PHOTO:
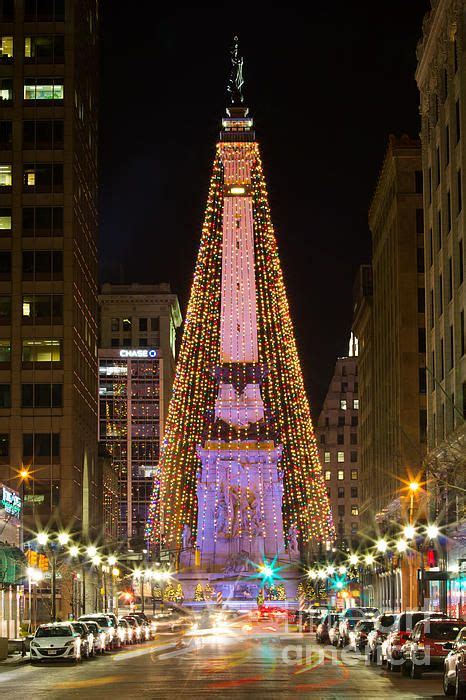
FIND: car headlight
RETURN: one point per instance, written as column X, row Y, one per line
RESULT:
column 70, row 643
column 35, row 644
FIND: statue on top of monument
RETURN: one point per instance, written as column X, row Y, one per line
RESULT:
column 236, row 80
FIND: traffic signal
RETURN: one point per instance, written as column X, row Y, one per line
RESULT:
column 43, row 562
column 32, row 557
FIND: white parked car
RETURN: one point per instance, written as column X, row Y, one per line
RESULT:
column 56, row 640
column 100, row 637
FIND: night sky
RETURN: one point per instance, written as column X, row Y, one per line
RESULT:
column 325, row 90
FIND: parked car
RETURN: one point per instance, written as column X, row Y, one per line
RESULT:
column 358, row 635
column 87, row 639
column 334, row 631
column 454, row 669
column 322, row 631
column 100, row 636
column 125, row 632
column 137, row 630
column 370, row 612
column 382, row 626
column 116, row 642
column 347, row 625
column 145, row 627
column 401, row 630
column 104, row 624
column 57, row 640
column 428, row 645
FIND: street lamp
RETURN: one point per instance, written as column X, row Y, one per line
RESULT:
column 91, row 551
column 112, row 560
column 74, row 551
column 401, row 546
column 382, row 546
column 42, row 538
column 353, row 560
column 369, row 559
column 432, row 532
column 409, row 532
column 63, row 538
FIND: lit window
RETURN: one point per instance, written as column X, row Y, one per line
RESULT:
column 5, row 350
column 42, row 350
column 43, row 89
column 27, row 47
column 343, row 404
column 6, row 47
column 340, row 456
column 340, row 475
column 326, row 456
column 5, row 219
column 30, row 179
column 354, row 510
column 354, row 474
column 5, row 175
column 356, row 404
column 6, row 89
column 328, row 475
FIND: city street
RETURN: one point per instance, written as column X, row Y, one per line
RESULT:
column 229, row 665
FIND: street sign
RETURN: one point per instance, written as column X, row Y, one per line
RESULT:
column 164, row 555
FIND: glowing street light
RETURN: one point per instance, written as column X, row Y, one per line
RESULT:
column 382, row 546
column 96, row 560
column 24, row 473
column 401, row 546
column 330, row 570
column 353, row 560
column 342, row 570
column 91, row 551
column 137, row 573
column 42, row 538
column 321, row 574
column 74, row 551
column 63, row 538
column 432, row 532
column 414, row 486
column 112, row 560
column 369, row 559
column 312, row 574
column 409, row 532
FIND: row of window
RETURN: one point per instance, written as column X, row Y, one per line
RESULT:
column 34, row 445
column 341, row 510
column 43, row 89
column 45, row 309
column 37, row 177
column 341, row 439
column 34, row 395
column 341, row 421
column 446, row 355
column 36, row 264
column 341, row 475
column 344, row 387
column 341, row 492
column 43, row 133
column 34, row 350
column 340, row 457
column 36, row 221
column 34, row 10
column 128, row 343
column 347, row 405
column 37, row 49
column 126, row 324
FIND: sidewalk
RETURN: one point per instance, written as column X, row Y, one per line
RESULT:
column 13, row 661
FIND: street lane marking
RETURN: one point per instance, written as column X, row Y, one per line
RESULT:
column 91, row 682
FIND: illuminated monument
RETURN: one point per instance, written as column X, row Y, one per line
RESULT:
column 241, row 478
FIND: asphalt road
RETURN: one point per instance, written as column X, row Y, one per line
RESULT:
column 257, row 663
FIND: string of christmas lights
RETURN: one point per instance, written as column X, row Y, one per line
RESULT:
column 305, row 504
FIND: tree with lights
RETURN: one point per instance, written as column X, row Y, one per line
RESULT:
column 259, row 323
column 199, row 593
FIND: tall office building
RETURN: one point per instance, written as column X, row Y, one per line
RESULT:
column 337, row 432
column 441, row 78
column 389, row 323
column 136, row 369
column 48, row 259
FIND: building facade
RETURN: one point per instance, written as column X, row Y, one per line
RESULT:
column 136, row 368
column 393, row 339
column 48, row 259
column 441, row 79
column 337, row 434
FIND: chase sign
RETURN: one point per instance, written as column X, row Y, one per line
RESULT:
column 139, row 353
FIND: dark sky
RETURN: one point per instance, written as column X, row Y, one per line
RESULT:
column 325, row 89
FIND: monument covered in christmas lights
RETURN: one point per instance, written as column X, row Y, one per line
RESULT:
column 241, row 483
